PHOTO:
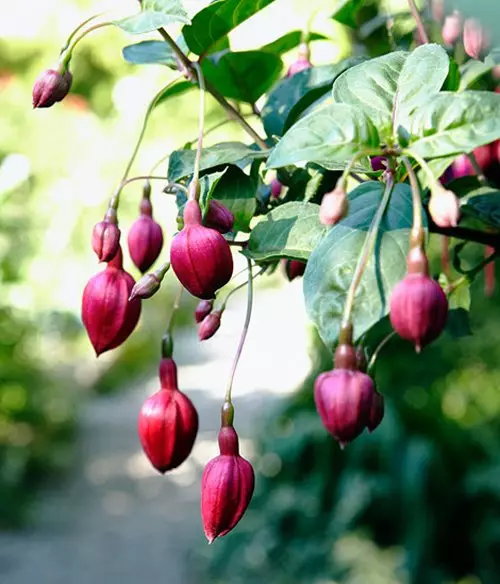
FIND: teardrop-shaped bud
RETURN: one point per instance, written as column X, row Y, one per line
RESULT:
column 226, row 487
column 276, row 188
column 145, row 238
column 107, row 314
column 219, row 217
column 146, row 287
column 376, row 412
column 106, row 237
column 168, row 422
column 294, row 269
column 452, row 28
column 444, row 208
column 475, row 38
column 203, row 309
column 200, row 256
column 209, row 325
column 378, row 163
column 50, row 87
column 334, row 206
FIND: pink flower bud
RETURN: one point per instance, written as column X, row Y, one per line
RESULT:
column 168, row 422
column 462, row 166
column 378, row 163
column 344, row 397
column 219, row 217
column 203, row 309
column 51, row 86
column 209, row 325
column 452, row 27
column 106, row 238
column 418, row 305
column 145, row 238
column 297, row 66
column 226, row 488
column 475, row 38
column 444, row 208
column 294, row 268
column 276, row 188
column 200, row 256
column 334, row 206
column 107, row 314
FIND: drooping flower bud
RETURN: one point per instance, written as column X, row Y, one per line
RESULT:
column 168, row 422
column 334, row 206
column 276, row 188
column 209, row 325
column 203, row 309
column 462, row 166
column 294, row 269
column 452, row 27
column 51, row 86
column 376, row 412
column 145, row 238
column 344, row 397
column 107, row 314
column 200, row 256
column 418, row 305
column 150, row 283
column 219, row 217
column 226, row 487
column 444, row 208
column 378, row 163
column 106, row 237
column 475, row 38
column 302, row 63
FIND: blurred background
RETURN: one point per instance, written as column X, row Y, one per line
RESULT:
column 417, row 502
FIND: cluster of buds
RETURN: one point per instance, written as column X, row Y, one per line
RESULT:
column 475, row 39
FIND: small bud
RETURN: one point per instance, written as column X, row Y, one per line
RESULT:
column 297, row 66
column 209, row 325
column 146, row 287
column 276, row 188
column 168, row 422
column 452, row 28
column 145, row 238
column 106, row 237
column 50, row 87
column 334, row 206
column 203, row 309
column 226, row 488
column 475, row 38
column 219, row 217
column 294, row 268
column 444, row 208
column 378, row 163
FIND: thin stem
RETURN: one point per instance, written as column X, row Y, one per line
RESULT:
column 477, row 169
column 355, row 158
column 243, row 333
column 67, row 53
column 201, row 122
column 376, row 353
column 239, row 287
column 356, row 176
column 79, row 28
column 422, row 33
column 175, row 308
column 366, row 252
column 415, row 195
column 433, row 182
column 176, row 49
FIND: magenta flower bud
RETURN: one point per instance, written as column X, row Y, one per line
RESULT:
column 200, row 256
column 219, row 217
column 106, row 237
column 444, row 208
column 145, row 238
column 294, row 269
column 276, row 188
column 51, row 86
column 226, row 488
column 475, row 38
column 334, row 206
column 301, row 64
column 146, row 287
column 378, row 163
column 107, row 314
column 344, row 397
column 168, row 422
column 203, row 309
column 209, row 325
column 376, row 412
column 452, row 28
column 418, row 305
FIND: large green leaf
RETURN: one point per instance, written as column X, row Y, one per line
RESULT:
column 333, row 134
column 298, row 92
column 243, row 75
column 291, row 230
column 150, row 53
column 471, row 72
column 480, row 203
column 289, row 41
column 236, row 191
column 181, row 162
column 452, row 123
column 331, row 266
column 346, row 12
column 154, row 14
column 217, row 20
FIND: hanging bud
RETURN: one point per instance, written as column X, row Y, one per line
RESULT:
column 145, row 238
column 209, row 325
column 293, row 268
column 51, row 86
column 107, row 314
column 418, row 305
column 452, row 28
column 226, row 487
column 376, row 412
column 219, row 217
column 168, row 422
column 203, row 309
column 200, row 256
column 150, row 283
column 475, row 38
column 106, row 237
column 276, row 188
column 334, row 206
column 378, row 163
column 444, row 208
column 302, row 63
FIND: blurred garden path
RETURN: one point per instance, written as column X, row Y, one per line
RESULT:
column 114, row 520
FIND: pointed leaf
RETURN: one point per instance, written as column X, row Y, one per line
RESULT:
column 154, row 14
column 347, row 11
column 150, row 53
column 236, row 191
column 291, row 40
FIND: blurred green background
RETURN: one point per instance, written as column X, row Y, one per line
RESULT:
column 417, row 502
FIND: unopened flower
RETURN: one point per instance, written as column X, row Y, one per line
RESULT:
column 444, row 208
column 209, row 325
column 475, row 38
column 294, row 269
column 452, row 27
column 106, row 237
column 145, row 238
column 203, row 309
column 50, row 87
column 219, row 217
column 334, row 206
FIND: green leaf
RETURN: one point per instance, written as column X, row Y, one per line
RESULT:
column 243, row 75
column 296, row 93
column 346, row 12
column 289, row 41
column 458, row 323
column 480, row 203
column 452, row 123
column 154, row 15
column 177, row 89
column 291, row 231
column 331, row 266
column 217, row 20
column 150, row 53
column 334, row 134
column 208, row 182
column 236, row 191
column 437, row 166
column 181, row 162
column 471, row 72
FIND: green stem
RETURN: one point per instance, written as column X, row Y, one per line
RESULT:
column 79, row 28
column 375, row 355
column 366, row 252
column 175, row 308
column 67, row 53
column 433, row 182
column 201, row 123
column 354, row 159
column 239, row 287
column 416, row 198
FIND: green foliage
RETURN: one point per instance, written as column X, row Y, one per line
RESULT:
column 154, row 14
column 150, row 53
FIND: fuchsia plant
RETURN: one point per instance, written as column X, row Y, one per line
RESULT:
column 360, row 149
